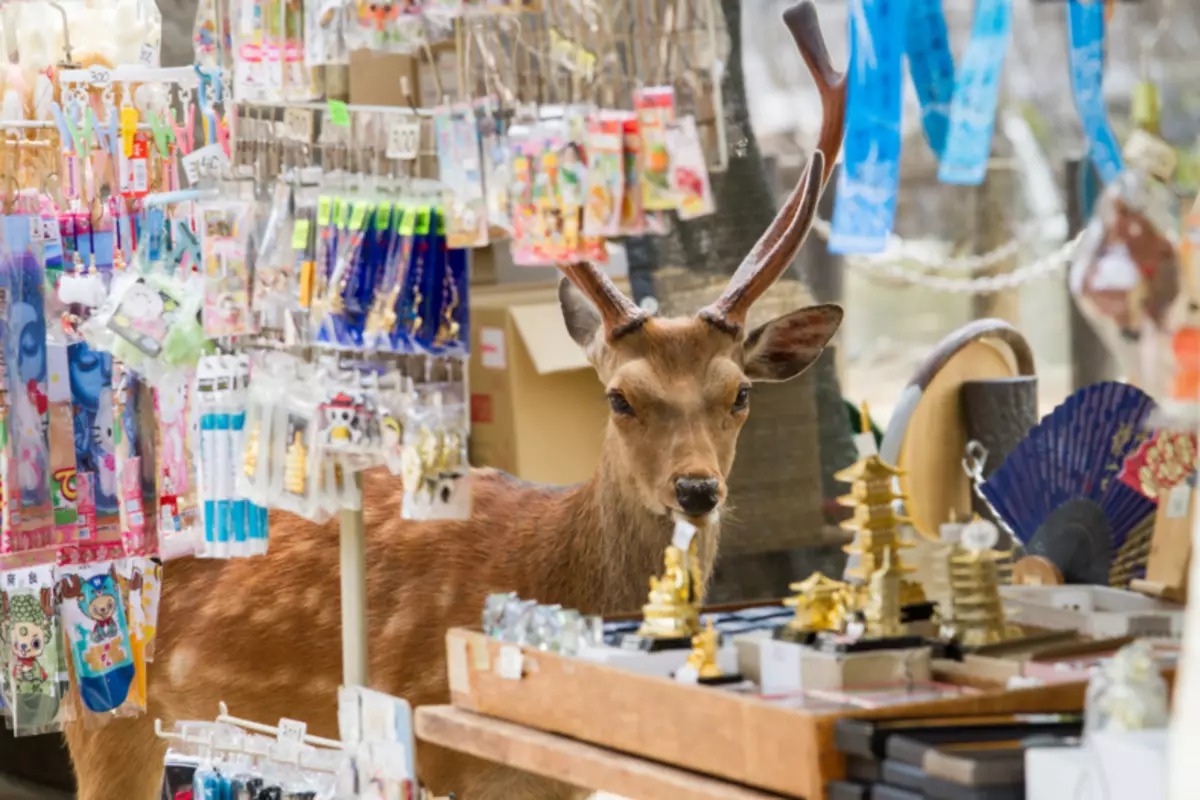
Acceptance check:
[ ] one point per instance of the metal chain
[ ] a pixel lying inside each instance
(900, 250)
(1042, 267)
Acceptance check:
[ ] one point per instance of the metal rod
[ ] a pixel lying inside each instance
(354, 594)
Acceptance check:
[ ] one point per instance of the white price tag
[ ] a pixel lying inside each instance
(291, 736)
(865, 444)
(99, 76)
(404, 140)
(779, 666)
(1178, 500)
(50, 229)
(36, 232)
(684, 533)
(148, 55)
(299, 123)
(511, 663)
(207, 162)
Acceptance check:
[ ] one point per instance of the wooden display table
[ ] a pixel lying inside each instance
(567, 760)
(779, 744)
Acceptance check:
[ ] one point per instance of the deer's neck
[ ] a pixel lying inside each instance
(610, 544)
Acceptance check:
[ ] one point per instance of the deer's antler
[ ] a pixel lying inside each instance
(781, 241)
(619, 313)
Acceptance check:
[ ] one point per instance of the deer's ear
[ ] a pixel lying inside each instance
(583, 319)
(786, 346)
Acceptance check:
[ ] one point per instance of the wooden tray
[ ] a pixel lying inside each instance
(741, 738)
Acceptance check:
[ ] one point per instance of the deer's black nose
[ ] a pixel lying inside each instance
(697, 496)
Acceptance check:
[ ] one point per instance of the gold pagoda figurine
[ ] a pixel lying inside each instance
(882, 613)
(819, 605)
(978, 616)
(670, 611)
(875, 522)
(703, 657)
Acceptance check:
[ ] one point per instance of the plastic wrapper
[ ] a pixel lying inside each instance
(1138, 288)
(1127, 693)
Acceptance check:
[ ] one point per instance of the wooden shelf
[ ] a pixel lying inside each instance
(568, 760)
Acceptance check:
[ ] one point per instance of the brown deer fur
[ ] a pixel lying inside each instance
(264, 634)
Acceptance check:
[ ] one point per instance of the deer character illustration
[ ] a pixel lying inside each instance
(263, 634)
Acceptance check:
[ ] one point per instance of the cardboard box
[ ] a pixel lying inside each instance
(537, 408)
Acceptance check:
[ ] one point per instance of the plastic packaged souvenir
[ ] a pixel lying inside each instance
(98, 634)
(31, 638)
(1128, 279)
(689, 170)
(655, 112)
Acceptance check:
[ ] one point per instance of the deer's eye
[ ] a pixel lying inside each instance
(742, 401)
(619, 404)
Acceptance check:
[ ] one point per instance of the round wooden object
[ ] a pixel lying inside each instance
(1036, 571)
(927, 434)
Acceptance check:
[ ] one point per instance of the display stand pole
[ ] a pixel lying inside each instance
(354, 594)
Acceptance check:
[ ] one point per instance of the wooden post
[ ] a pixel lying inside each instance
(1090, 360)
(995, 201)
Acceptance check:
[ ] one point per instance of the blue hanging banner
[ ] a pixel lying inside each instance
(1085, 28)
(976, 92)
(865, 204)
(932, 68)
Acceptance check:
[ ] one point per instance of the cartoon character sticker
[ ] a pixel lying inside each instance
(144, 317)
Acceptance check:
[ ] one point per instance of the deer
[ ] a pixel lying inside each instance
(263, 635)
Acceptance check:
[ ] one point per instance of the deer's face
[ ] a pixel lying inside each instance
(679, 392)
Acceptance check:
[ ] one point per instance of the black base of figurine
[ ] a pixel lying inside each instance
(785, 634)
(917, 612)
(654, 644)
(839, 644)
(723, 680)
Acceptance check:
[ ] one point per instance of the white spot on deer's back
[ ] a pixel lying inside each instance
(180, 668)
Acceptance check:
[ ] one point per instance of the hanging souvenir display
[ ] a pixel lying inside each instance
(976, 93)
(1128, 279)
(865, 204)
(931, 66)
(1085, 27)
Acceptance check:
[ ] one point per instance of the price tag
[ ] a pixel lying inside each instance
(207, 162)
(148, 55)
(339, 114)
(1178, 501)
(779, 666)
(684, 533)
(864, 443)
(511, 663)
(99, 76)
(36, 231)
(299, 123)
(300, 234)
(50, 230)
(404, 140)
(291, 736)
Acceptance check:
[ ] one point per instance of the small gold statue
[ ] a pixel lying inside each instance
(703, 657)
(818, 605)
(883, 604)
(670, 611)
(978, 616)
(295, 471)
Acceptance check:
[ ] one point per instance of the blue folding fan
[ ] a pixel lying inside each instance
(1069, 463)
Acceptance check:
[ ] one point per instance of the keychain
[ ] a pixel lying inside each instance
(94, 617)
(30, 636)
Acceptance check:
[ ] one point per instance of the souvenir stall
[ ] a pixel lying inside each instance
(228, 291)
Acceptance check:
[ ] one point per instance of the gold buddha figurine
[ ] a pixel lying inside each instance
(883, 603)
(703, 657)
(669, 611)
